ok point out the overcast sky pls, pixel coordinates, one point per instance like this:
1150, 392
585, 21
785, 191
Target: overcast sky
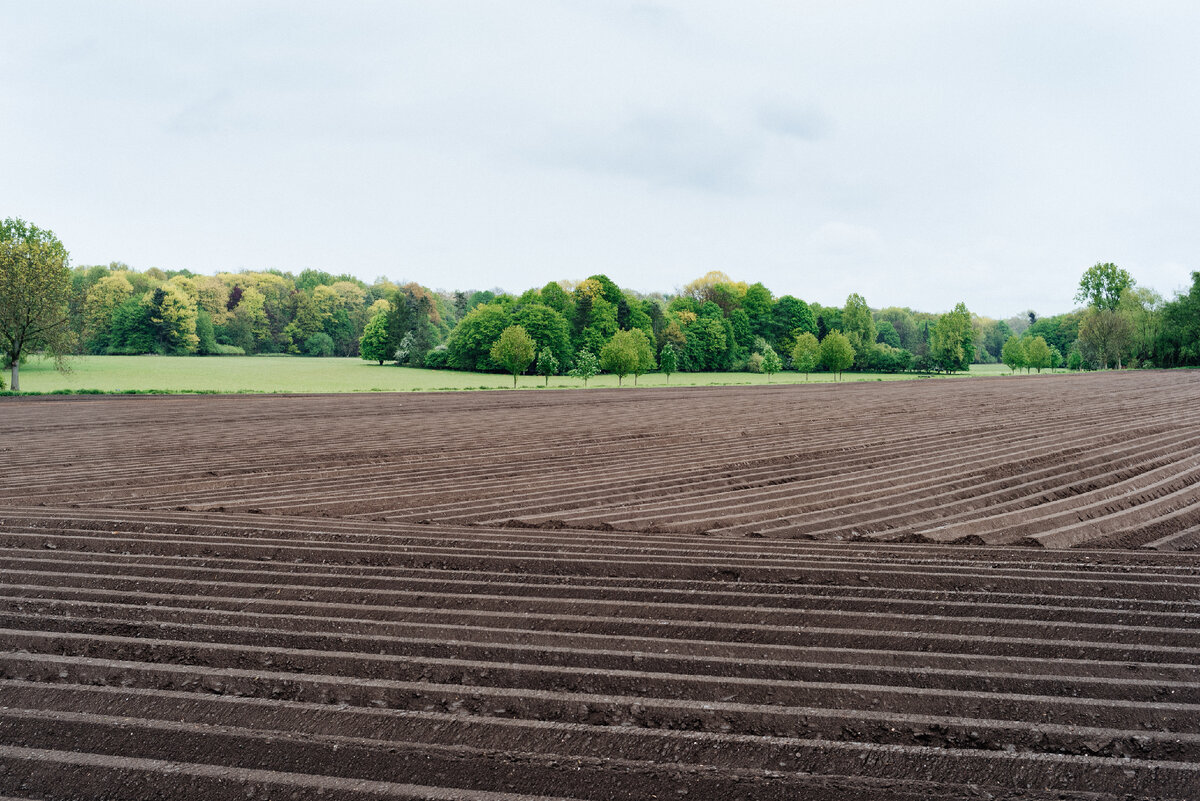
916, 153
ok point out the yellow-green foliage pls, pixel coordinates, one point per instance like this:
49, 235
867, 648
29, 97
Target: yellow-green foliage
174, 314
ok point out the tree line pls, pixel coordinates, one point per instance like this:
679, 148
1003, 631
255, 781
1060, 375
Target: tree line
566, 327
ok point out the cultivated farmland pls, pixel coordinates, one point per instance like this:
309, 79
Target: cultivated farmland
893, 591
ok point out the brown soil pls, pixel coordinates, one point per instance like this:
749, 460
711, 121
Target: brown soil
791, 592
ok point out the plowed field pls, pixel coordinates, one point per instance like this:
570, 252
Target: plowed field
918, 590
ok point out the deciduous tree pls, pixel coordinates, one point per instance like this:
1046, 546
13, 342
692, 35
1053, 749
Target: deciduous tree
513, 351
837, 354
1037, 353
173, 319
103, 298
1104, 336
806, 355
1102, 285
858, 324
548, 329
668, 360
547, 364
374, 344
620, 355
472, 339
319, 344
645, 354
1013, 353
35, 286
586, 366
771, 363
951, 344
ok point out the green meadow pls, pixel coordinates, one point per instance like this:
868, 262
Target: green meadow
301, 374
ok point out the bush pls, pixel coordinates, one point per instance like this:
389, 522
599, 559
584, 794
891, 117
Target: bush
438, 358
228, 350
754, 363
882, 358
923, 364
319, 344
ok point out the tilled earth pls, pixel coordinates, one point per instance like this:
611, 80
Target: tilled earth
913, 590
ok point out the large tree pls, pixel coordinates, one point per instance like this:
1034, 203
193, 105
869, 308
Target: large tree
548, 328
951, 345
35, 285
858, 325
1180, 339
374, 344
1105, 335
101, 301
471, 340
1102, 285
790, 316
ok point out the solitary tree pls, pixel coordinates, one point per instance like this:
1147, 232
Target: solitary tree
1013, 353
668, 360
513, 351
771, 363
1074, 360
1102, 285
547, 365
374, 344
620, 355
837, 354
34, 288
586, 366
807, 354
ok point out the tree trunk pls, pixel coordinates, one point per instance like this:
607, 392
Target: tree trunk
514, 380
16, 375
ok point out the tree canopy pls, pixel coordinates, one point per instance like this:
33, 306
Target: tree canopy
35, 283
622, 354
837, 354
1102, 285
513, 351
951, 344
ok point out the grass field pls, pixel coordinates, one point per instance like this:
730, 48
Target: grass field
298, 374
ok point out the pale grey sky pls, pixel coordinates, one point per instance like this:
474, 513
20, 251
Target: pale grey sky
917, 153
